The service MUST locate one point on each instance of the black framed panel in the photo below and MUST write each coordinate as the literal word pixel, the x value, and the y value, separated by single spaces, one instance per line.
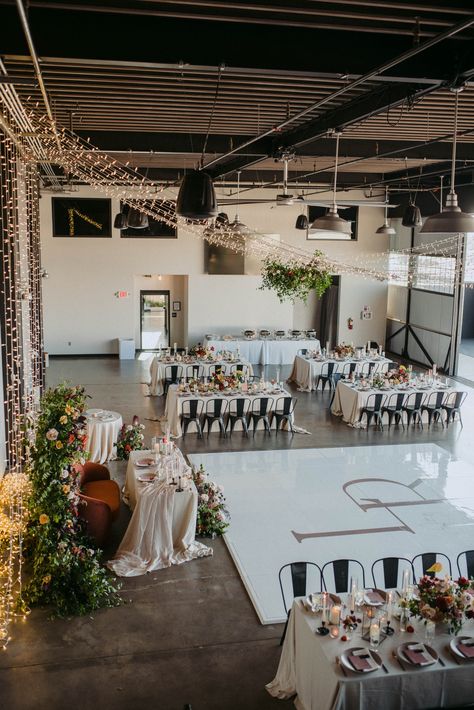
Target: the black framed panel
pixel 81 217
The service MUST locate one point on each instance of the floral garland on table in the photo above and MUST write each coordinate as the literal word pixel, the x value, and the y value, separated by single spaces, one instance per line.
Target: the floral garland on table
pixel 203 353
pixel 294 281
pixel 65 570
pixel 443 600
pixel 399 376
pixel 344 350
pixel 221 381
pixel 212 514
pixel 379 381
pixel 130 439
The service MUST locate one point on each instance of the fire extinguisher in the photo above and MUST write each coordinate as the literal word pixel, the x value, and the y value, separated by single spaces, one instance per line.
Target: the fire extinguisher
pixel 350 323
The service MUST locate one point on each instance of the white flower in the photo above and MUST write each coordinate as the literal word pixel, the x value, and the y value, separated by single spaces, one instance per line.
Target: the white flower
pixel 142 437
pixel 61 546
pixel 142 426
pixel 52 434
pixel 64 473
pixel 204 498
pixel 129 427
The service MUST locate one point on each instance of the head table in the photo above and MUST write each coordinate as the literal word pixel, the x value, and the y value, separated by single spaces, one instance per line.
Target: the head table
pixel 306 370
pixel 349 399
pixel 309 666
pixel 158 369
pixel 103 428
pixel 162 529
pixel 264 351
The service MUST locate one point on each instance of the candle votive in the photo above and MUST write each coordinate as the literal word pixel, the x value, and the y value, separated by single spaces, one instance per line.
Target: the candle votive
pixel 335 615
pixel 334 632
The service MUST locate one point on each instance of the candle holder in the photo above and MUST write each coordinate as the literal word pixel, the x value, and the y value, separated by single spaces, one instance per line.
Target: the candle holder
pixel 323 629
pixel 388 630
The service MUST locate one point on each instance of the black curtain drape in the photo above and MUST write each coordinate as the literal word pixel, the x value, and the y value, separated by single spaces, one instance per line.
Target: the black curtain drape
pixel 329 307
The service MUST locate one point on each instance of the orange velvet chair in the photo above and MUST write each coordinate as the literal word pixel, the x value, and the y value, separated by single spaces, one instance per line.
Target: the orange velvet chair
pixel 100 500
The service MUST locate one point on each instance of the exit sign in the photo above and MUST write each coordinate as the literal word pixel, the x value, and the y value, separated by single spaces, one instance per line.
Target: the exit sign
pixel 122 294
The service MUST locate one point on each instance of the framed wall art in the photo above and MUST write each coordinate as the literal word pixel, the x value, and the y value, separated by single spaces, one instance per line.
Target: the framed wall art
pixel 79 217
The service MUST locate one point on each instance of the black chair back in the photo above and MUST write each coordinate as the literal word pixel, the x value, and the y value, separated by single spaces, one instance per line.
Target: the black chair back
pixel 387 572
pixel 349 368
pixel 342 571
pixel 395 401
pixel 261 405
pixel 192 408
pixel 375 401
pixel 455 399
pixel 173 372
pixel 423 562
pixel 303 351
pixel 467 558
pixel 239 406
pixel 414 400
pixel 285 405
pixel 240 367
pixel 328 369
pixel 302 574
pixel 216 407
pixel 193 371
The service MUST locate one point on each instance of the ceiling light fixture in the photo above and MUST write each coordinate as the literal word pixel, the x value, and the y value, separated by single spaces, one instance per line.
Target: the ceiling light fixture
pixel 120 221
pixel 237 226
pixel 196 197
pixel 137 219
pixel 301 222
pixel 451 219
pixel 386 228
pixel 331 222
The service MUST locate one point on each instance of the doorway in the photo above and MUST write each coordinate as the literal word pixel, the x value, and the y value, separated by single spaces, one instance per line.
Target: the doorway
pixel 154 320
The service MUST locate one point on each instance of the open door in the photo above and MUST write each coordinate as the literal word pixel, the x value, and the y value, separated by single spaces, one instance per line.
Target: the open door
pixel 154 320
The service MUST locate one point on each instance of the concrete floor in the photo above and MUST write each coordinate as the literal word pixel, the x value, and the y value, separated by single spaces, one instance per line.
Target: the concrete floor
pixel 188 634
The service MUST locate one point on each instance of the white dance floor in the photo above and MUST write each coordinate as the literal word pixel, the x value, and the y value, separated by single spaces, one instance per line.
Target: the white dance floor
pixel 321 504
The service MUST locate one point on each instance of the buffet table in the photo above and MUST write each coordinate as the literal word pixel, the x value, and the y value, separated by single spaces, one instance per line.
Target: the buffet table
pixel 265 351
pixel 309 666
pixel 103 428
pixel 174 405
pixel 162 529
pixel 158 367
pixel 306 370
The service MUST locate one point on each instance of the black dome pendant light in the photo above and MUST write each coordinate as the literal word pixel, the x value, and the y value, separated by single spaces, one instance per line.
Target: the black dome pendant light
pixel 120 221
pixel 301 222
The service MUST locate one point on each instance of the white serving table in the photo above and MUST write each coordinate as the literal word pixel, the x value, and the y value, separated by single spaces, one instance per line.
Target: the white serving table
pixel 349 400
pixel 174 405
pixel 162 529
pixel 265 351
pixel 308 668
pixel 158 367
pixel 103 429
pixel 306 370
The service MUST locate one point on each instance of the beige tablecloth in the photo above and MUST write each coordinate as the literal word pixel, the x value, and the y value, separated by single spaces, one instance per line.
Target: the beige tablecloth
pixel 102 434
pixel 162 529
pixel 308 667
pixel 306 370
pixel 174 405
pixel 157 371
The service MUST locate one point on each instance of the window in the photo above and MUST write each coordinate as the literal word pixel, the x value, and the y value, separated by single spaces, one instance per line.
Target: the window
pixel 398 265
pixel 434 273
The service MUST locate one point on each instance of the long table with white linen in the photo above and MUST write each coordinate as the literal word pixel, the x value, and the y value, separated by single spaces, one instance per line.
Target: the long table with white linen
pixel 174 406
pixel 265 351
pixel 307 369
pixel 349 399
pixel 308 667
pixel 158 370
pixel 162 529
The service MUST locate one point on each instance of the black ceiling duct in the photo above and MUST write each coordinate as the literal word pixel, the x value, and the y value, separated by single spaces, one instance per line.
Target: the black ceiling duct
pixel 196 198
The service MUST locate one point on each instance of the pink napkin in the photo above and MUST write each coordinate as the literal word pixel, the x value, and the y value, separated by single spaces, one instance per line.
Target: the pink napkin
pixel 418 657
pixel 360 664
pixel 467 651
pixel 374 597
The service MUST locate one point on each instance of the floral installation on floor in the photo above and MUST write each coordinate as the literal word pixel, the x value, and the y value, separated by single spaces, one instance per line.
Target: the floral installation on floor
pixel 293 281
pixel 212 514
pixel 65 570
pixel 130 439
pixel 443 600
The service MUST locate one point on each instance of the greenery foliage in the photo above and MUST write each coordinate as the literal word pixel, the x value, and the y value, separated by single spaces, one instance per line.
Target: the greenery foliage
pixel 65 570
pixel 212 514
pixel 130 439
pixel 292 280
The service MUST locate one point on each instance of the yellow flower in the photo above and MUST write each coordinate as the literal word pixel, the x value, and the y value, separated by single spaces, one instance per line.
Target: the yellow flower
pixel 44 519
pixel 47 579
pixel 63 419
pixel 68 409
pixel 66 488
pixel 59 444
pixel 436 567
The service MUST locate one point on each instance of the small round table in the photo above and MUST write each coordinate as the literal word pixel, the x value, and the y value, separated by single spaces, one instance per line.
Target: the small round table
pixel 103 428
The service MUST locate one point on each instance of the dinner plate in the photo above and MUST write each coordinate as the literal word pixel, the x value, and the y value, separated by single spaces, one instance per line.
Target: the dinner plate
pixel 146 478
pixel 145 463
pixel 370 656
pixel 429 652
pixel 106 417
pixel 453 646
pixel 367 600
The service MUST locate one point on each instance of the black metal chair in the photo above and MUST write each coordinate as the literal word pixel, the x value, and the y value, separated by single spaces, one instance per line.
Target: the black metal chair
pixel 342 571
pixel 387 572
pixel 394 408
pixel 299 584
pixel 467 557
pixel 217 369
pixel 452 406
pixel 349 369
pixel 412 408
pixel 216 410
pixel 191 411
pixel 261 408
pixel 239 367
pixel 368 368
pixel 327 376
pixel 253 378
pixel 173 374
pixel 238 412
pixel 373 409
pixel 433 406
pixel 422 563
pixel 283 412
pixel 373 345
pixel 194 372
pixel 302 351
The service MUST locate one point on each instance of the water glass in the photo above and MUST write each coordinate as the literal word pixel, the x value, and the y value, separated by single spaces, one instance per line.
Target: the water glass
pixel 374 633
pixel 430 630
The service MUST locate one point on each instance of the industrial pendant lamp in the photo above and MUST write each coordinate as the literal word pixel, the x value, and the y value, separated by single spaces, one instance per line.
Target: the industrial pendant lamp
pixel 120 221
pixel 137 219
pixel 331 222
pixel 412 216
pixel 450 219
pixel 196 197
pixel 386 228
pixel 237 226
pixel 301 222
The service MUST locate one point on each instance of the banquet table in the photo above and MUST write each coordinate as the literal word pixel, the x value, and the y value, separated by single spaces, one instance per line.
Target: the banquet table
pixel 309 667
pixel 349 399
pixel 307 369
pixel 103 428
pixel 162 529
pixel 174 405
pixel 265 351
pixel 158 366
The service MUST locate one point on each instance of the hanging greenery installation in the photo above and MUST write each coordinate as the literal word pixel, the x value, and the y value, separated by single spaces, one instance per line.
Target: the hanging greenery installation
pixel 294 281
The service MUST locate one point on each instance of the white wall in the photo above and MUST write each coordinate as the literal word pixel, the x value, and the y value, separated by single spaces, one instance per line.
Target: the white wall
pixel 355 293
pixel 176 286
pixel 80 307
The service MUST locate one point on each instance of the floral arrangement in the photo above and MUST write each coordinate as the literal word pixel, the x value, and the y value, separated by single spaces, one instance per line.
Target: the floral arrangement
pixel 292 280
pixel 222 382
pixel 212 514
pixel 443 600
pixel 379 381
pixel 65 569
pixel 130 439
pixel 399 376
pixel 344 350
pixel 202 352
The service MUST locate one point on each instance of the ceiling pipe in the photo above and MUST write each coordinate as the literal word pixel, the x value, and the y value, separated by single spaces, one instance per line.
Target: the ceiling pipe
pixel 352 85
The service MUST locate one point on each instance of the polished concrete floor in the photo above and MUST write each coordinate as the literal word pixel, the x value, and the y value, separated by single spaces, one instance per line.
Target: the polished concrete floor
pixel 188 634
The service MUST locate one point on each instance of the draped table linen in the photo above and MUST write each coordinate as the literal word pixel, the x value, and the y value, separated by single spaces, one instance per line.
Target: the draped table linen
pixel 103 429
pixel 162 529
pixel 265 351
pixel 306 370
pixel 174 405
pixel 308 668
pixel 158 368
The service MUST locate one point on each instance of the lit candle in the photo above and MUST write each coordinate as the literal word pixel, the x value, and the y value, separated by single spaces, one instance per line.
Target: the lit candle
pixel 175 347
pixel 405 583
pixel 186 350
pixel 334 632
pixel 325 606
pixel 327 346
pixel 389 605
pixel 375 632
pixel 335 615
